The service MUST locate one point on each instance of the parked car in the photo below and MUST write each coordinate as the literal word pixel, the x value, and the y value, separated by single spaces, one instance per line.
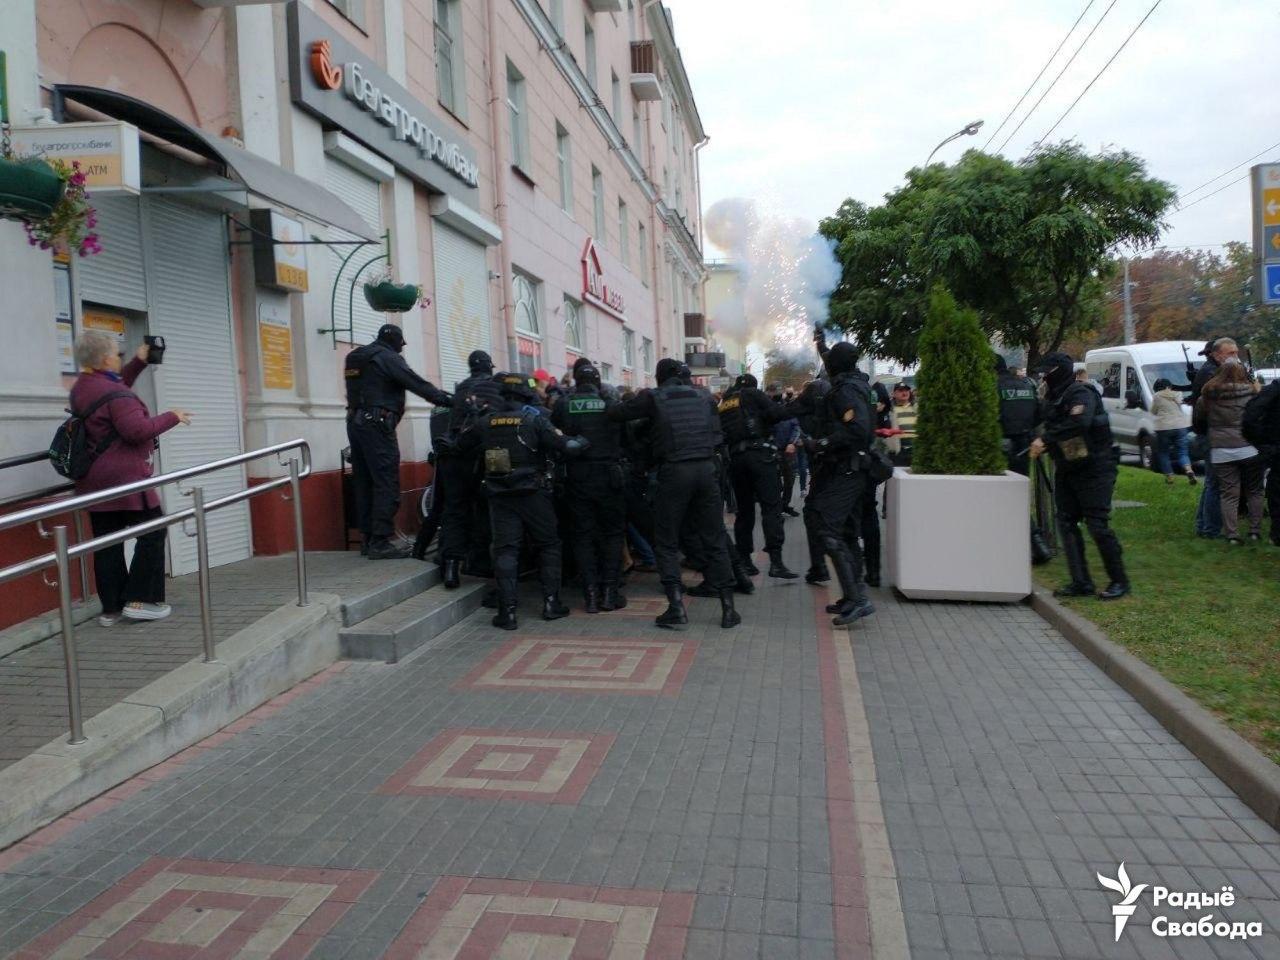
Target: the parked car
pixel 1126 375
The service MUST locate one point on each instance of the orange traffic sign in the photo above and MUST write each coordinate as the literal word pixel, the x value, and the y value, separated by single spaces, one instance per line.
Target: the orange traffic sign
pixel 1271 206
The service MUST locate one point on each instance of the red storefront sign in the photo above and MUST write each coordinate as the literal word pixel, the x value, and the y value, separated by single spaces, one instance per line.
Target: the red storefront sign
pixel 594 290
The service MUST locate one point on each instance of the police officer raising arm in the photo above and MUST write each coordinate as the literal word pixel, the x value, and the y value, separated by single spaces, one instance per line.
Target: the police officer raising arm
pixel 515 446
pixel 377 377
pixel 1077 434
pixel 685 433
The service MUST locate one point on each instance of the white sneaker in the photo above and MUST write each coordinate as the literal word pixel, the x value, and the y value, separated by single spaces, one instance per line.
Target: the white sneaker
pixel 108 619
pixel 147 611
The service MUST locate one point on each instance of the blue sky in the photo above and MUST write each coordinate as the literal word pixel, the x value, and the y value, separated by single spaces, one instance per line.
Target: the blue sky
pixel 811 101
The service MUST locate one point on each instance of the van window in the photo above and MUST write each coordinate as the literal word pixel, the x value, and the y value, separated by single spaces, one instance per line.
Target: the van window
pixel 1174 372
pixel 1109 379
pixel 1131 381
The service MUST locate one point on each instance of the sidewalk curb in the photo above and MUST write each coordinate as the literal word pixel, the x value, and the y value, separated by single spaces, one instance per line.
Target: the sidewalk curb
pixel 1239 764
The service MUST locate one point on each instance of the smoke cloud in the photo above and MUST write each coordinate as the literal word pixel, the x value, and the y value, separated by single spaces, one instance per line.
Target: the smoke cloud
pixel 788 272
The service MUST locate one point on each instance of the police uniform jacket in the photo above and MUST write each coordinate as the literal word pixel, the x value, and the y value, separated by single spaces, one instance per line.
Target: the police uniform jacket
pixel 683 421
pixel 1077 430
pixel 850 416
pixel 377 378
pixel 585 413
pixel 747 416
pixel 515 447
pixel 1019 404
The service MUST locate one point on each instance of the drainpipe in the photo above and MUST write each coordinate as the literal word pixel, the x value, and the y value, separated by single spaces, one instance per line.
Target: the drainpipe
pixel 655 243
pixel 500 185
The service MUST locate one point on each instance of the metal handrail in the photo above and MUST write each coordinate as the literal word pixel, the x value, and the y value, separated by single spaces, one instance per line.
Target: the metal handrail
pixel 23 459
pixel 64 552
pixel 42 456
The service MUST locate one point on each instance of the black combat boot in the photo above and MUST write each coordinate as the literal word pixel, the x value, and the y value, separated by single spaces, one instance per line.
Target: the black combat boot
pixel 853 610
pixel 778 569
pixel 1112 558
pixel 506 618
pixel 591 599
pixel 675 617
pixel 816 575
pixel 741 574
pixel 747 565
pixel 452 574
pixel 552 608
pixel 612 598
pixel 380 548
pixel 729 617
pixel 703 589
pixel 1115 590
pixel 851 589
pixel 1081 584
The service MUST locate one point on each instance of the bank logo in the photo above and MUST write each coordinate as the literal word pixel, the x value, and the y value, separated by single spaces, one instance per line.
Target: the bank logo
pixel 1123 910
pixel 327 75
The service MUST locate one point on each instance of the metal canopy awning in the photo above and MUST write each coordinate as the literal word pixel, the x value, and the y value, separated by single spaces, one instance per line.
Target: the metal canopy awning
pixel 260 176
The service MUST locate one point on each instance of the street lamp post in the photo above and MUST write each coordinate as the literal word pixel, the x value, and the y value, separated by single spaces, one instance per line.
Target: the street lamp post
pixel 968 131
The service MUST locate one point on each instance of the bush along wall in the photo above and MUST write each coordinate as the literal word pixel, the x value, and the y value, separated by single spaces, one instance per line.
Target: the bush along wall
pixel 958 429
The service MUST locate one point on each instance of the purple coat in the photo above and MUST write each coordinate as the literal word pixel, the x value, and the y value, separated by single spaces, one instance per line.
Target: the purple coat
pixel 129 457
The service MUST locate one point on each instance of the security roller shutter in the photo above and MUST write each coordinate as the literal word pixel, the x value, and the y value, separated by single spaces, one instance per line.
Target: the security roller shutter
pixel 364 195
pixel 462 302
pixel 115 277
pixel 191 308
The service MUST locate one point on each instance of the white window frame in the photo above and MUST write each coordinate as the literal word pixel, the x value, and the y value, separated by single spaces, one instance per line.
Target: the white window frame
pixel 606 373
pixel 517 113
pixel 628 349
pixel 646 354
pixel 526 295
pixel 564 165
pixel 590 57
pixel 597 202
pixel 574 320
pixel 624 234
pixel 450 70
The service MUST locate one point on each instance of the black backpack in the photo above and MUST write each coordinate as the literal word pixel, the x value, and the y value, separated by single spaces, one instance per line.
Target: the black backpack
pixel 71 453
pixel 1261 422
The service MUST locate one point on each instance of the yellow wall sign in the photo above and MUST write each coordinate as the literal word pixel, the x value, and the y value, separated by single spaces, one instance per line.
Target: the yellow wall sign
pixel 275 343
pixel 279 250
pixel 104 320
pixel 107 151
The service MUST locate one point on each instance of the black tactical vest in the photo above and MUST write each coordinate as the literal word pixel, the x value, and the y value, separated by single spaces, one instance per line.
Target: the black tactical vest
pixel 462 393
pixel 1097 439
pixel 738 419
pixel 358 374
pixel 683 426
pixel 815 422
pixel 585 416
pixel 1019 404
pixel 508 453
pixel 842 384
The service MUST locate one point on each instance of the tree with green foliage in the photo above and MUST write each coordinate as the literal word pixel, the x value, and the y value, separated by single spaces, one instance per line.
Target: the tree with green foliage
pixel 1026 244
pixel 958 426
pixel 789 369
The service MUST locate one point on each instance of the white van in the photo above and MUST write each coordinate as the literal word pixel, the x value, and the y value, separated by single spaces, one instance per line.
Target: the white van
pixel 1127 375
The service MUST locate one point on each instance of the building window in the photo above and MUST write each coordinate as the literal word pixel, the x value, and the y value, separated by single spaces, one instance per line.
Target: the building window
pixel 646 354
pixel 353 10
pixel 644 255
pixel 616 86
pixel 564 166
pixel 449 72
pixel 597 201
pixel 528 293
pixel 624 234
pixel 606 372
pixel 574 335
pixel 557 16
pixel 628 348
pixel 637 139
pixel 519 118
pixel 589 36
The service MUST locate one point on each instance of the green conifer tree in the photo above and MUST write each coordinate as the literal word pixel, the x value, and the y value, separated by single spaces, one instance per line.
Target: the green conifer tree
pixel 958 428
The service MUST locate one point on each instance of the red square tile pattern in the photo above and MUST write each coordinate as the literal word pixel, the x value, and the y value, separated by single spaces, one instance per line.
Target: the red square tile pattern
pixel 205 910
pixel 545 767
pixel 466 919
pixel 586 665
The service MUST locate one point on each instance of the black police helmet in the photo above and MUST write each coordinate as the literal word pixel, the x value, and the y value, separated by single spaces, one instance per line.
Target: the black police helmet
pixel 747 381
pixel 581 362
pixel 1208 347
pixel 392 336
pixel 1058 369
pixel 842 358
pixel 480 362
pixel 585 373
pixel 668 369
pixel 517 386
pixel 1002 365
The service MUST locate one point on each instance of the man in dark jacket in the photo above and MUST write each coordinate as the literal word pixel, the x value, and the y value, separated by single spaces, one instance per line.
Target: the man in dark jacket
pixel 1216 352
pixel 377 378
pixel 464 529
pixel 1077 434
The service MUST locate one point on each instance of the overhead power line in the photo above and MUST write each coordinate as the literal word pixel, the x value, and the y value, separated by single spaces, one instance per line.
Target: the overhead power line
pixel 1066 67
pixel 1067 113
pixel 1224 173
pixel 1212 193
pixel 1048 63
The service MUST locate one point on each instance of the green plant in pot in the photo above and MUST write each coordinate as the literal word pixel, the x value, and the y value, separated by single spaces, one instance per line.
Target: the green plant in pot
pixel 387 296
pixel 30 188
pixel 49 198
pixel 958 425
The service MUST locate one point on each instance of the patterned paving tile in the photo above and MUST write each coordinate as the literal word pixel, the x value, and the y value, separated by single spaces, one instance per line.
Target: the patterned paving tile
pixel 649 667
pixel 205 910
pixel 552 767
pixel 481 919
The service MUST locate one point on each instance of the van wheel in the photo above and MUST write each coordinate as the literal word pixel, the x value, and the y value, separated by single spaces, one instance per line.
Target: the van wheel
pixel 1146 454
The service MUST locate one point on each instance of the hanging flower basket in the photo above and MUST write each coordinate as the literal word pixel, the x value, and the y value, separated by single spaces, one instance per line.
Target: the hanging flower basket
pixel 29 189
pixel 388 297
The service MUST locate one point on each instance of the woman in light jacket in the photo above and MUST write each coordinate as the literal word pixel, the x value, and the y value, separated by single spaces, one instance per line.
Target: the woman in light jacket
pixel 1171 432
pixel 124 433
pixel 1236 462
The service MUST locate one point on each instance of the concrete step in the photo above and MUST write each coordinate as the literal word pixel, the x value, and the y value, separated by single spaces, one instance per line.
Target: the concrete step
pixel 396 632
pixel 405 579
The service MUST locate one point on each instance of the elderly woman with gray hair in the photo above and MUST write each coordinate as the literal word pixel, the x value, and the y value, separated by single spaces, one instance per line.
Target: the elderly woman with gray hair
pixel 123 432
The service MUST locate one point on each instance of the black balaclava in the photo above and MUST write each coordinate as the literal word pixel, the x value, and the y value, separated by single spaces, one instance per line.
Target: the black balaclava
pixel 581 362
pixel 1002 366
pixel 392 336
pixel 842 358
pixel 480 363
pixel 668 369
pixel 1059 371
pixel 747 381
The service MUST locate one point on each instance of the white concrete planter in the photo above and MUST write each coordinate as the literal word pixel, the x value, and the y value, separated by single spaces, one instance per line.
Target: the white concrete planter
pixel 959 538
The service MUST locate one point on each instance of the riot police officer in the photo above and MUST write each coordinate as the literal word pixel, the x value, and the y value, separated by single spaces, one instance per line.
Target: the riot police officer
pixel 596 490
pixel 515 447
pixel 377 378
pixel 464 528
pixel 834 506
pixel 746 419
pixel 685 433
pixel 1077 434
pixel 810 408
pixel 1019 413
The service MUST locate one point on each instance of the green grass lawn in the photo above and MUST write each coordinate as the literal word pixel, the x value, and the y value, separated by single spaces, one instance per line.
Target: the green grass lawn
pixel 1203 613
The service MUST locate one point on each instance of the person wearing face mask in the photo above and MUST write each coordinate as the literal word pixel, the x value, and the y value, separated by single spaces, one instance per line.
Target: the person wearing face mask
pixel 377 377
pixel 1209 510
pixel 1077 434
